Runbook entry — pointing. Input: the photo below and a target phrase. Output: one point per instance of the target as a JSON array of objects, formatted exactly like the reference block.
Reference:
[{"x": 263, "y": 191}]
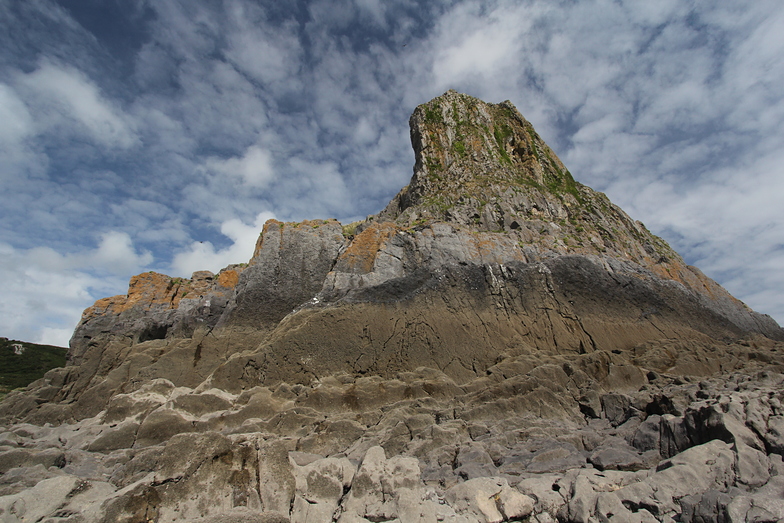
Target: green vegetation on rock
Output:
[
  {"x": 22, "y": 363},
  {"x": 350, "y": 229},
  {"x": 433, "y": 114},
  {"x": 502, "y": 133}
]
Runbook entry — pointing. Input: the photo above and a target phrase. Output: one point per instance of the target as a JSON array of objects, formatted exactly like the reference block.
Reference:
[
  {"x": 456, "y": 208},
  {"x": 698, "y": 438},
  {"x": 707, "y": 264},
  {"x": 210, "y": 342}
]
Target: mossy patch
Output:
[
  {"x": 433, "y": 115},
  {"x": 350, "y": 229},
  {"x": 502, "y": 133}
]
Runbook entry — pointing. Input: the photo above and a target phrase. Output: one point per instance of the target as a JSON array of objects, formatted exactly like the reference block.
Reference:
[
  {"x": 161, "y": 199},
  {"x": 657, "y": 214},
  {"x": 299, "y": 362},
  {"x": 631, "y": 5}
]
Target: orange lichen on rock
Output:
[
  {"x": 228, "y": 278},
  {"x": 488, "y": 247},
  {"x": 104, "y": 306},
  {"x": 361, "y": 254},
  {"x": 269, "y": 225},
  {"x": 147, "y": 289},
  {"x": 151, "y": 288}
]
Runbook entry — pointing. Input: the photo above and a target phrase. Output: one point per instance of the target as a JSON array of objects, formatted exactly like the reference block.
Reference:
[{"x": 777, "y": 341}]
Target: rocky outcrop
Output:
[
  {"x": 287, "y": 269},
  {"x": 573, "y": 438},
  {"x": 492, "y": 249},
  {"x": 460, "y": 318},
  {"x": 501, "y": 343},
  {"x": 155, "y": 307}
]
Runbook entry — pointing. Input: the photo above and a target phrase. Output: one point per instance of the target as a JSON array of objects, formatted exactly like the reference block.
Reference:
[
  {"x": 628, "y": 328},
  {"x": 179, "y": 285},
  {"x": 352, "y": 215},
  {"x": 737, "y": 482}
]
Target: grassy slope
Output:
[{"x": 20, "y": 370}]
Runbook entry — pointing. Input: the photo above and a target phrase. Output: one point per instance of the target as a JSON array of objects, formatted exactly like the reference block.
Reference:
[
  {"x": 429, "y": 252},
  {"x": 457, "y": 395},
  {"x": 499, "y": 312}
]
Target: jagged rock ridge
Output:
[{"x": 499, "y": 343}]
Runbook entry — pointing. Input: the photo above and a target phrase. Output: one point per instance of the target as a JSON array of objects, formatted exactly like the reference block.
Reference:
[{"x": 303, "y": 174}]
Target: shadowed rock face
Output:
[{"x": 501, "y": 343}]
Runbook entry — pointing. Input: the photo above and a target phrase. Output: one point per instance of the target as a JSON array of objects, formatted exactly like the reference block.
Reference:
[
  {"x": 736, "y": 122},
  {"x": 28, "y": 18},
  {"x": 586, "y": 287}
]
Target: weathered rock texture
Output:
[{"x": 501, "y": 343}]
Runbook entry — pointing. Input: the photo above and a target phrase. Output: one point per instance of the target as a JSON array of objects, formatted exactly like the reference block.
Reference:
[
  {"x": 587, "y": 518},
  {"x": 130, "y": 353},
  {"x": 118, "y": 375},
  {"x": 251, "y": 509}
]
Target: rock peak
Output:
[
  {"x": 483, "y": 167},
  {"x": 470, "y": 153}
]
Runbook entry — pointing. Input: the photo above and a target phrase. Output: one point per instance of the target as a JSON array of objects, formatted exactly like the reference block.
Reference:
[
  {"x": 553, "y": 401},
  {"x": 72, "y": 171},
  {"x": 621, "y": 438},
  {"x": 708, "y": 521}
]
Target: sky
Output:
[{"x": 160, "y": 135}]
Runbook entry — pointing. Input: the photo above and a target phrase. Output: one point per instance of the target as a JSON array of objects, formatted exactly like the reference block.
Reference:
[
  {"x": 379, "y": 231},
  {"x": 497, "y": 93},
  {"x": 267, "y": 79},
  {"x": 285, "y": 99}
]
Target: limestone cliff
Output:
[
  {"x": 501, "y": 343},
  {"x": 491, "y": 251},
  {"x": 156, "y": 305}
]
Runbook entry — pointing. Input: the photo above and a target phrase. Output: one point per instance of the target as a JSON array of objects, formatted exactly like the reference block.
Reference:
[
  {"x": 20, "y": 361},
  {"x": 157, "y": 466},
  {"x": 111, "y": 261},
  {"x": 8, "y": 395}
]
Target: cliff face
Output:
[
  {"x": 156, "y": 306},
  {"x": 492, "y": 250},
  {"x": 501, "y": 343}
]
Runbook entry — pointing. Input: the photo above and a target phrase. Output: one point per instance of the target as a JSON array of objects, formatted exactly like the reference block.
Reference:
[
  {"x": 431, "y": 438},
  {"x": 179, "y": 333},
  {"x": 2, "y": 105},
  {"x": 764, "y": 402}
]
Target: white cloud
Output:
[
  {"x": 116, "y": 254},
  {"x": 44, "y": 291},
  {"x": 471, "y": 46},
  {"x": 62, "y": 94},
  {"x": 20, "y": 159},
  {"x": 16, "y": 124},
  {"x": 203, "y": 256},
  {"x": 374, "y": 9},
  {"x": 254, "y": 168},
  {"x": 54, "y": 336},
  {"x": 267, "y": 52}
]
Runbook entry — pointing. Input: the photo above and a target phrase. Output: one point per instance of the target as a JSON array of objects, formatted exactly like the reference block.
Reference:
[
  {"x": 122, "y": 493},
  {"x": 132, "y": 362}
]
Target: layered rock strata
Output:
[{"x": 499, "y": 343}]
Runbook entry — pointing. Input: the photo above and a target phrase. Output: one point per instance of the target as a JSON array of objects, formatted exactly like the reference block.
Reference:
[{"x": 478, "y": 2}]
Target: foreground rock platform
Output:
[
  {"x": 594, "y": 437},
  {"x": 500, "y": 343}
]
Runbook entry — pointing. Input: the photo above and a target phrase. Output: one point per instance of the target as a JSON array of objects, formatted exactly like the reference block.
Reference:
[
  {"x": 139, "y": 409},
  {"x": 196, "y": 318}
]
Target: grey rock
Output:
[
  {"x": 332, "y": 437},
  {"x": 582, "y": 502},
  {"x": 18, "y": 479},
  {"x": 706, "y": 421},
  {"x": 30, "y": 457},
  {"x": 117, "y": 437},
  {"x": 377, "y": 486},
  {"x": 319, "y": 488},
  {"x": 705, "y": 467},
  {"x": 474, "y": 462},
  {"x": 244, "y": 517},
  {"x": 648, "y": 434},
  {"x": 774, "y": 437},
  {"x": 287, "y": 269},
  {"x": 555, "y": 457},
  {"x": 277, "y": 484},
  {"x": 38, "y": 502},
  {"x": 490, "y": 499},
  {"x": 674, "y": 435},
  {"x": 620, "y": 457},
  {"x": 757, "y": 509},
  {"x": 200, "y": 404},
  {"x": 616, "y": 408},
  {"x": 160, "y": 425},
  {"x": 544, "y": 489},
  {"x": 752, "y": 466},
  {"x": 708, "y": 507}
]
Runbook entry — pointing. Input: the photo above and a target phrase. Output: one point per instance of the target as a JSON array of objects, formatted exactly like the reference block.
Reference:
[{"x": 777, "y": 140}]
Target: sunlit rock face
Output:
[{"x": 499, "y": 343}]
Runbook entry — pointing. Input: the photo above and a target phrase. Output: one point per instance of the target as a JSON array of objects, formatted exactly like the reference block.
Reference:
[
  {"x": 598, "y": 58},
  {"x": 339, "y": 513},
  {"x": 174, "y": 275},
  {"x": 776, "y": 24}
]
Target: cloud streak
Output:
[{"x": 64, "y": 99}]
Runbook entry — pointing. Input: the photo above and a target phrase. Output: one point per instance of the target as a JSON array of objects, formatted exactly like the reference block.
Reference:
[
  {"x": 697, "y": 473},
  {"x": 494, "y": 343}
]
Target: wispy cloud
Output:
[
  {"x": 167, "y": 141},
  {"x": 253, "y": 168},
  {"x": 44, "y": 291},
  {"x": 65, "y": 100}
]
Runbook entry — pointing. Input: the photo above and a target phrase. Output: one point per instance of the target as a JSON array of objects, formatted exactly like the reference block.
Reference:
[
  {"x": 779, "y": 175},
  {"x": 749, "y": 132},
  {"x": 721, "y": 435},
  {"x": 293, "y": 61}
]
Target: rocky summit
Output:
[{"x": 500, "y": 343}]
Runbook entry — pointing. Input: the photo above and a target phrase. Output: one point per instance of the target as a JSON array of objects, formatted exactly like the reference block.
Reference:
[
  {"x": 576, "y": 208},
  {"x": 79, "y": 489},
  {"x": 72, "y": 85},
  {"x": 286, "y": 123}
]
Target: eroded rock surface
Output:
[
  {"x": 501, "y": 343},
  {"x": 516, "y": 443}
]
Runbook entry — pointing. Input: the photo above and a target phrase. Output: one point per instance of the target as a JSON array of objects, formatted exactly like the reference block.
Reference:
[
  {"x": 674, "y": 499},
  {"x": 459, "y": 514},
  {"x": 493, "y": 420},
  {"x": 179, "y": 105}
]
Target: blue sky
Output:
[{"x": 140, "y": 135}]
